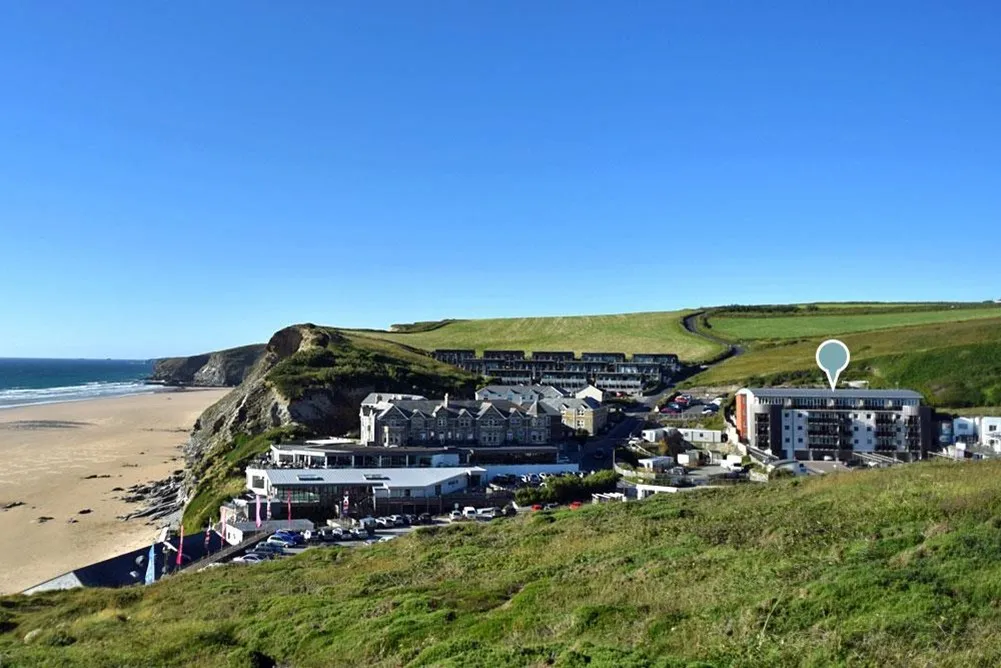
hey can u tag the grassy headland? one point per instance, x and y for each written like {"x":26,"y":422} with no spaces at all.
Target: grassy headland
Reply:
{"x":335,"y":370}
{"x":658,"y":332}
{"x":888,"y":568}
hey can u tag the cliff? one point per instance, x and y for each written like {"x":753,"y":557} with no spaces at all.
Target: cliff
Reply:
{"x":309,"y":380}
{"x":225,"y":368}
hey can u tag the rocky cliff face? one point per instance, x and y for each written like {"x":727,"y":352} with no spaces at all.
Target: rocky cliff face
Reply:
{"x":315,"y":378}
{"x":226,"y":368}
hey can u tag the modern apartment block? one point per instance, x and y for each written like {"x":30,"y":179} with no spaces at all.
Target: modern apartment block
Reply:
{"x":605,"y":370}
{"x":805,"y":424}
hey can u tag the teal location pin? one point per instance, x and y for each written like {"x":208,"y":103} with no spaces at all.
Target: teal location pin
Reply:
{"x":833,"y":358}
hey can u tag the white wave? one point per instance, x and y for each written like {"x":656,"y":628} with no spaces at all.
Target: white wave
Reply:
{"x":51,"y":395}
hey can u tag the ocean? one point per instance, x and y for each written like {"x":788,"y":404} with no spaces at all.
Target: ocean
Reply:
{"x":25,"y":382}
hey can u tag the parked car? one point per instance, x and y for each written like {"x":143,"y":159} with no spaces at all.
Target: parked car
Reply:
{"x":669,"y":409}
{"x":293,"y":537}
{"x":280,"y":542}
{"x":536,"y":507}
{"x":575,"y":505}
{"x":488,"y":513}
{"x":425,"y":518}
{"x":331,"y":533}
{"x":455,"y":516}
{"x":551,"y":506}
{"x":384,"y":522}
{"x":397,"y":520}
{"x":469,"y":513}
{"x":268,"y":547}
{"x":249,"y":559}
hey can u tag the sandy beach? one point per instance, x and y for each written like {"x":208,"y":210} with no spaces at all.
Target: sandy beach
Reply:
{"x":49,"y":451}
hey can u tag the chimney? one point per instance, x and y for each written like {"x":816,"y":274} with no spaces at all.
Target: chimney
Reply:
{"x":446,"y":400}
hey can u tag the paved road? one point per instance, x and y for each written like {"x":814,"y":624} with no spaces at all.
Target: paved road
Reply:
{"x":689,"y":323}
{"x":617,"y":435}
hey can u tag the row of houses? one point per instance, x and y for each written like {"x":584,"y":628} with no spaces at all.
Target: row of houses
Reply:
{"x":607,"y":371}
{"x":532,"y":416}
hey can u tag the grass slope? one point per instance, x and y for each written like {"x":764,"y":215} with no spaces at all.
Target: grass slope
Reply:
{"x":882,"y":568}
{"x":630,"y":333}
{"x":783,"y":327}
{"x":954,"y":364}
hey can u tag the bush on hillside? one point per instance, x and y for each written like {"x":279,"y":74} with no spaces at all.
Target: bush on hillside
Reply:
{"x":564,"y":489}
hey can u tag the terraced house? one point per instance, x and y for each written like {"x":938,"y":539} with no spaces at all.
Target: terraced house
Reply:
{"x":606,"y":370}
{"x":400,"y":422}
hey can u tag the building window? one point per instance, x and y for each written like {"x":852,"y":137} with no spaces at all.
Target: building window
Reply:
{"x":406,"y":491}
{"x":800,"y":439}
{"x":786,"y":428}
{"x":800,"y":428}
{"x":787,"y":439}
{"x":868,"y":428}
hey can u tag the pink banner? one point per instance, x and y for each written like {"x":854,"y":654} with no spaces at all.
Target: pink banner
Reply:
{"x":180,"y":546}
{"x":256,"y":496}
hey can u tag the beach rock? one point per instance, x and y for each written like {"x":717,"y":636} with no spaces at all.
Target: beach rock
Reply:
{"x":85,"y":511}
{"x":117,"y":489}
{"x":44,"y":518}
{"x":72,"y":520}
{"x":30,"y":636}
{"x":13,"y":504}
{"x":94,"y":476}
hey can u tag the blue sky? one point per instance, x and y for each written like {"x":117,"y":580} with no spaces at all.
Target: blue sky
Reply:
{"x":179,"y":177}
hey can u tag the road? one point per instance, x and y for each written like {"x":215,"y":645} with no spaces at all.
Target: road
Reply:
{"x":607,"y":442}
{"x":689,"y":323}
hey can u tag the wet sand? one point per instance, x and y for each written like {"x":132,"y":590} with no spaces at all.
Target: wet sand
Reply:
{"x":49,"y":451}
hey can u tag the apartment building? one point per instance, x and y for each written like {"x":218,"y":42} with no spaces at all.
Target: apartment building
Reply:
{"x":581,"y":414}
{"x":805,"y":424}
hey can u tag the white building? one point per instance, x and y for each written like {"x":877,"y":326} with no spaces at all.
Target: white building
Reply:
{"x":326,"y":487}
{"x":656,"y":463}
{"x":700,"y":436}
{"x":812,"y":423}
{"x":990,"y":433}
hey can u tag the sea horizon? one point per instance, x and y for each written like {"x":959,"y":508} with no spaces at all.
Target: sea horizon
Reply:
{"x":39,"y":381}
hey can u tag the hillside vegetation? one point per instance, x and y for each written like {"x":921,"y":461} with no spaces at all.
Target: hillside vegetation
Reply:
{"x":953,"y":357}
{"x":742,"y":328}
{"x":884,"y":568}
{"x":310,"y":381}
{"x":659,"y":332}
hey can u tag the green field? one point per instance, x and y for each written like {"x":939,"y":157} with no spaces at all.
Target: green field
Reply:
{"x":659,"y":332}
{"x":954,"y":364}
{"x":873,"y":568}
{"x":746,"y":328}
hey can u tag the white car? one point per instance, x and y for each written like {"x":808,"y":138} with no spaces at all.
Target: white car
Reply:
{"x":249,"y":559}
{"x":469,"y":513}
{"x":455,"y":516}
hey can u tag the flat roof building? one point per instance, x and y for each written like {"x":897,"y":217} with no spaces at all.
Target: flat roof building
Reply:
{"x":812,"y":423}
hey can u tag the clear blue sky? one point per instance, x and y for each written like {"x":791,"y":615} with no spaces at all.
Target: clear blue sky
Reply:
{"x":178,"y":176}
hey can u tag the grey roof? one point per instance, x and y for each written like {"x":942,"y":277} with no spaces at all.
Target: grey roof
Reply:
{"x":524,"y":393}
{"x":384,"y":477}
{"x":382,"y":397}
{"x":575,"y":403}
{"x":821,"y":393}
{"x":435,"y":407}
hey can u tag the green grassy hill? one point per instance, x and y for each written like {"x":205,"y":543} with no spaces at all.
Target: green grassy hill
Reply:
{"x":317,"y":376}
{"x":659,"y":332}
{"x":951,"y":353}
{"x":883,"y":568}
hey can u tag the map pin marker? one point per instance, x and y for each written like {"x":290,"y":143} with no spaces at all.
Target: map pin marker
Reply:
{"x":833,"y":358}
